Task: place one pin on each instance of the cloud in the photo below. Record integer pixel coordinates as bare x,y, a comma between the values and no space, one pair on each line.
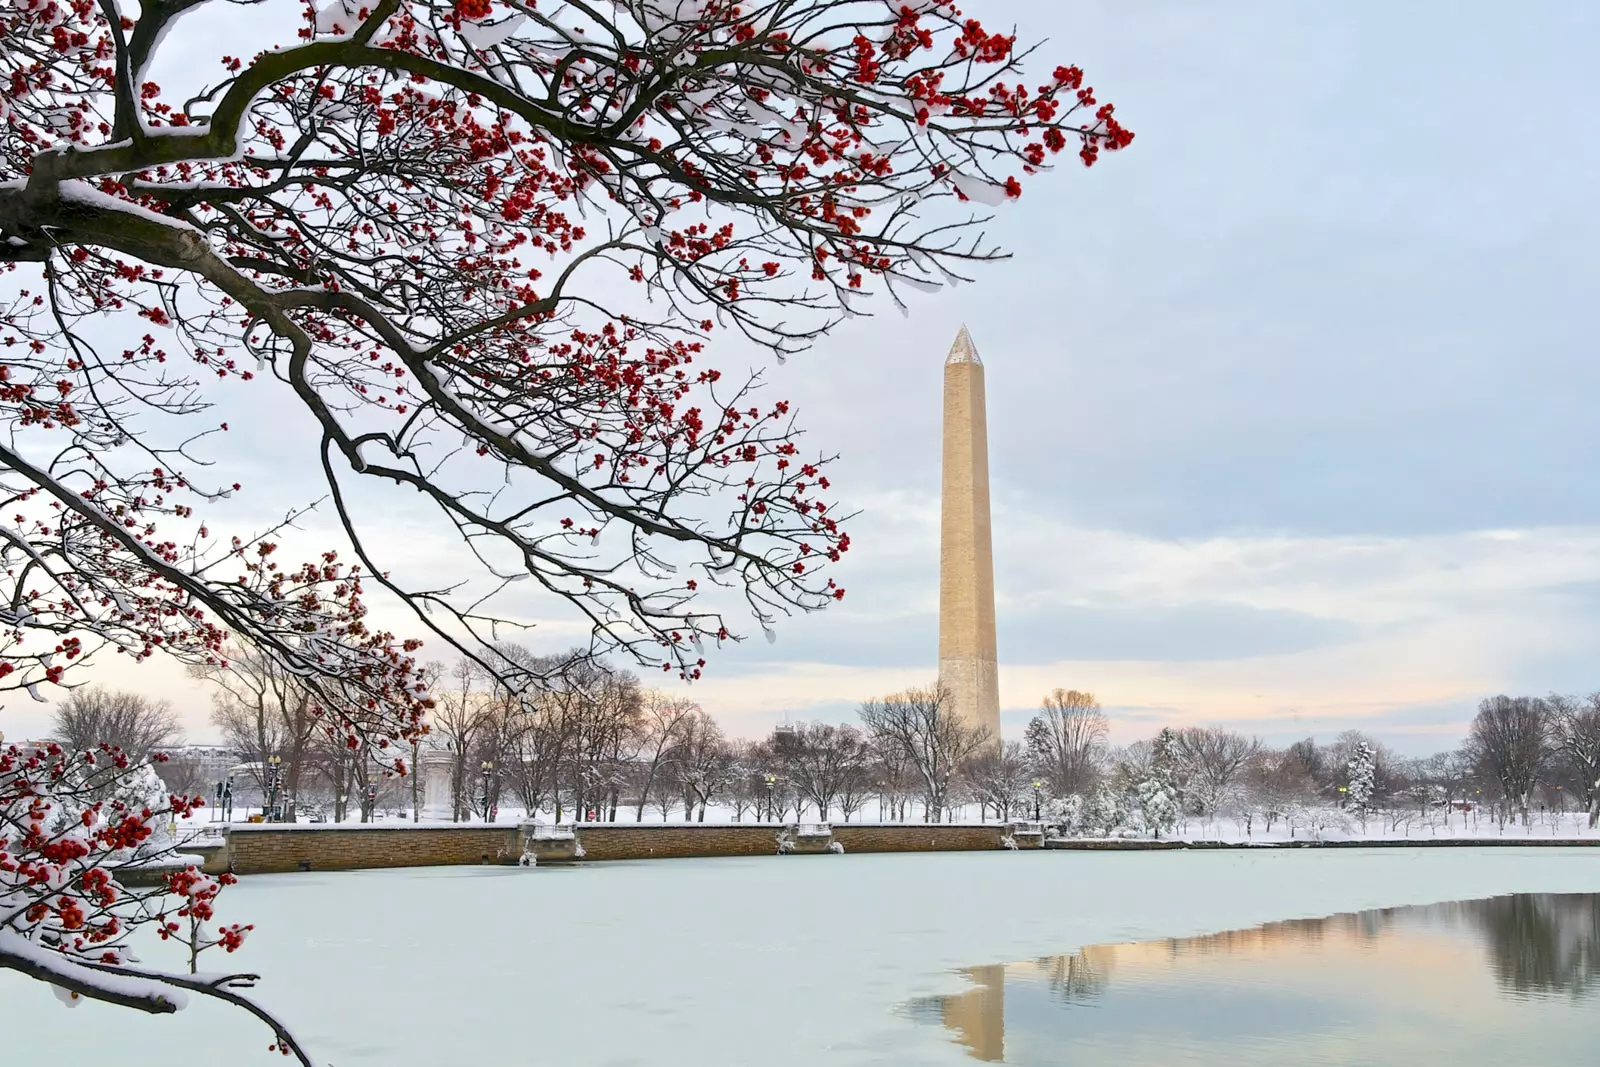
1282,635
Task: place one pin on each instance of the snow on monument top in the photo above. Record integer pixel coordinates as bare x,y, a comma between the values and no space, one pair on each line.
963,351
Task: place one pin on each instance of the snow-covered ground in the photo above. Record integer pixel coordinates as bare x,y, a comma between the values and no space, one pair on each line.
1331,824
774,961
1326,824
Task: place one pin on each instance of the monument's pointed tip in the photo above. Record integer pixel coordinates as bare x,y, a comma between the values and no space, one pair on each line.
963,351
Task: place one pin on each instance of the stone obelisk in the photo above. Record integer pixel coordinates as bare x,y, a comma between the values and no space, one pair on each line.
967,667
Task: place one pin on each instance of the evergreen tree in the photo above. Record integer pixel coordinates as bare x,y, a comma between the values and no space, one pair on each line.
1362,767
1157,795
1100,815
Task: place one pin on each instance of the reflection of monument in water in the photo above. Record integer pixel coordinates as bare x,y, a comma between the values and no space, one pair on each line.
967,661
978,1016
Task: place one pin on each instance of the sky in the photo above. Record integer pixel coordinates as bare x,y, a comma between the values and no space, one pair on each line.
1288,403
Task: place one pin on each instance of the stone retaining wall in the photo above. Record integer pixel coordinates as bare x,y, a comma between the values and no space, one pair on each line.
934,837
610,841
272,850
269,849
266,849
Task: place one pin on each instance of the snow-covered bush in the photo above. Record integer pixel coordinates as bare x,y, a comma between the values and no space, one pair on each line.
1102,815
1065,813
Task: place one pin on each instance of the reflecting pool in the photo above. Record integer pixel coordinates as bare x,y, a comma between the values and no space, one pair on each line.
1509,979
800,961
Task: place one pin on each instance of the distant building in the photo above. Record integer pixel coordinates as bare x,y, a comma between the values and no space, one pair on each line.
212,763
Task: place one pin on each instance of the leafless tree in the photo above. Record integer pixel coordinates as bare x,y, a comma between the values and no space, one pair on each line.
342,771
999,777
745,791
663,720
134,723
1576,728
920,725
766,766
603,706
461,712
183,774
537,755
894,778
1212,762
1314,762
823,761
857,781
705,765
1511,738
263,710
1067,741
1278,783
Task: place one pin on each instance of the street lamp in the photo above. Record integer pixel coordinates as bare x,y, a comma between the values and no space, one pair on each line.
1036,809
274,780
487,767
772,783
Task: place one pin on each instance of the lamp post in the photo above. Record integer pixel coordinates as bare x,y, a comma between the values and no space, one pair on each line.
372,803
274,780
771,783
487,767
227,800
1037,811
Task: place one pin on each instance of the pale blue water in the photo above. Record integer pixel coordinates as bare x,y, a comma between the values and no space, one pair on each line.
1485,983
771,961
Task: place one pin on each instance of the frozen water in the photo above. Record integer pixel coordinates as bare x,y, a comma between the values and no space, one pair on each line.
792,960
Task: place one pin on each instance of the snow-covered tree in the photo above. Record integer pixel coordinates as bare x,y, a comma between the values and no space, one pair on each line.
1156,794
1102,815
66,918
1362,770
1066,813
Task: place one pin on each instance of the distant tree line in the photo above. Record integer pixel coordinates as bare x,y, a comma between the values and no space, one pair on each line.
589,742
1521,754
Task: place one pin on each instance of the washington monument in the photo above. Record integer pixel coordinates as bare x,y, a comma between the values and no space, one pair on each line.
967,667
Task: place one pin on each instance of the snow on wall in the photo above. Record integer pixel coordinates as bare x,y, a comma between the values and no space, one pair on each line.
273,848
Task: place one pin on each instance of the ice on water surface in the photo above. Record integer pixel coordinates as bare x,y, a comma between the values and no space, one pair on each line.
782,961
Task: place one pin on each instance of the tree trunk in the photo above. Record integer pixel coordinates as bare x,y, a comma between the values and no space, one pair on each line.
291,787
